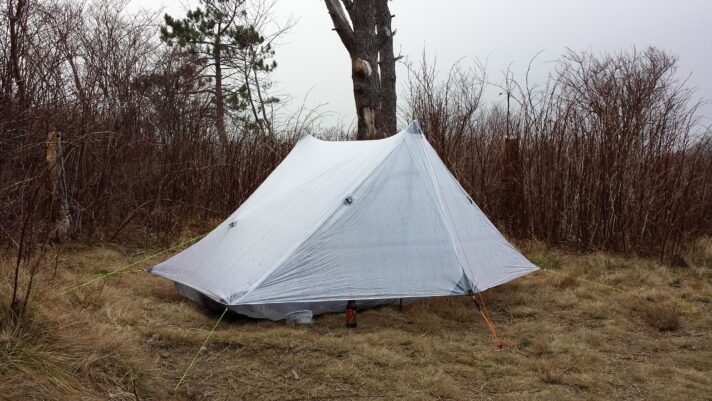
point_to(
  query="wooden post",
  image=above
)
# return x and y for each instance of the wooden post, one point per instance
(60, 212)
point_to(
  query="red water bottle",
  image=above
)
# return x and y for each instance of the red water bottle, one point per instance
(351, 314)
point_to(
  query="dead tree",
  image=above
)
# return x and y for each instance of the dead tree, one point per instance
(367, 36)
(387, 65)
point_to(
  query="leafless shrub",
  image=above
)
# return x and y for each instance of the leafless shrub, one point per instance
(609, 154)
(137, 122)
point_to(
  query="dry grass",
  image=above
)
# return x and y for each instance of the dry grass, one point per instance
(660, 316)
(565, 340)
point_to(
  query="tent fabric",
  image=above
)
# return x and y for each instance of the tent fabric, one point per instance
(352, 220)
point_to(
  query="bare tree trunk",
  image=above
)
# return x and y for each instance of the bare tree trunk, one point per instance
(387, 65)
(257, 101)
(219, 100)
(364, 73)
(265, 121)
(364, 42)
(15, 26)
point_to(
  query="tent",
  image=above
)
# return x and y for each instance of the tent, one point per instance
(368, 221)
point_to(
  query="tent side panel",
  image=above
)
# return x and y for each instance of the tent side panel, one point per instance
(385, 241)
(488, 258)
(284, 210)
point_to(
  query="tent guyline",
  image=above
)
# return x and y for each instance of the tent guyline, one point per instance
(200, 349)
(610, 287)
(482, 308)
(124, 269)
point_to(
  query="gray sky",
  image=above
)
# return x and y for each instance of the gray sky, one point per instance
(312, 60)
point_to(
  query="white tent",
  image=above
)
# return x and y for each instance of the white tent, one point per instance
(336, 221)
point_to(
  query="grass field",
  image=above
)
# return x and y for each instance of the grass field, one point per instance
(131, 336)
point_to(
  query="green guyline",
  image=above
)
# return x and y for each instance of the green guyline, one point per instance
(195, 358)
(124, 268)
(582, 279)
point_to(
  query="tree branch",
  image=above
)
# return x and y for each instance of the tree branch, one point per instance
(341, 24)
(349, 6)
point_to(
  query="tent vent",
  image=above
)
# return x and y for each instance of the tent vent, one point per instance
(349, 200)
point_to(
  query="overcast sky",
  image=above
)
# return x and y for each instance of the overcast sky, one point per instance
(313, 61)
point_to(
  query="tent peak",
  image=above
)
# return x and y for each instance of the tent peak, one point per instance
(414, 128)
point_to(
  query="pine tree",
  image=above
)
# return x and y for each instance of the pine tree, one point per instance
(215, 32)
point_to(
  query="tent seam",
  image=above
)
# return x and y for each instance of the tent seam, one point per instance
(318, 225)
(452, 221)
(439, 202)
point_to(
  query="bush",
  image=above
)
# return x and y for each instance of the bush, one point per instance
(661, 316)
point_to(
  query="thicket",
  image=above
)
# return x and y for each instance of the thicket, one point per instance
(133, 121)
(611, 153)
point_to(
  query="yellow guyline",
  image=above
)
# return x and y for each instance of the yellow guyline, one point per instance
(124, 268)
(582, 279)
(195, 358)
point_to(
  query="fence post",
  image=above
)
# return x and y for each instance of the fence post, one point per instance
(60, 213)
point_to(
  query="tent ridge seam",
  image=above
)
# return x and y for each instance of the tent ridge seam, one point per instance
(319, 224)
(441, 206)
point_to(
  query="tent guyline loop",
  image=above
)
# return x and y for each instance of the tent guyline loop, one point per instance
(482, 308)
(124, 268)
(195, 358)
(490, 324)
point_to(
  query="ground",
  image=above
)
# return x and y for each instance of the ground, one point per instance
(131, 337)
